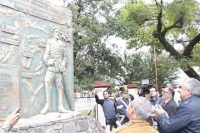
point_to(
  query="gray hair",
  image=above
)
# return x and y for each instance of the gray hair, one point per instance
(193, 85)
(142, 107)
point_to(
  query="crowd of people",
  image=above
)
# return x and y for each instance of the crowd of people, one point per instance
(152, 113)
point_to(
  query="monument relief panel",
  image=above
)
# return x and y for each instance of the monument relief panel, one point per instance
(9, 89)
(25, 28)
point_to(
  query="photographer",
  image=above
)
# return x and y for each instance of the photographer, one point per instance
(144, 91)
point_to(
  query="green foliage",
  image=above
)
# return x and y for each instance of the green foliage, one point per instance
(138, 20)
(196, 55)
(137, 68)
(94, 21)
(166, 67)
(162, 25)
(140, 67)
(92, 25)
(174, 10)
(137, 12)
(191, 32)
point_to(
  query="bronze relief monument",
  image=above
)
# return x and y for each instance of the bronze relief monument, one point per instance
(36, 64)
(36, 68)
(55, 61)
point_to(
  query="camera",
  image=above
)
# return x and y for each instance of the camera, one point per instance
(144, 89)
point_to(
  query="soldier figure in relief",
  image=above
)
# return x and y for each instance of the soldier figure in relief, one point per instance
(55, 61)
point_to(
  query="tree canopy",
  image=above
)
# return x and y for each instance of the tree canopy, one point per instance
(164, 25)
(92, 60)
(158, 24)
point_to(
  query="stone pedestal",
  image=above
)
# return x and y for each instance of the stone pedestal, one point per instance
(58, 123)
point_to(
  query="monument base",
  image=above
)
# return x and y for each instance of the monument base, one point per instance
(58, 123)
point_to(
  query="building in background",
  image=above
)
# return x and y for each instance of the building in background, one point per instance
(133, 89)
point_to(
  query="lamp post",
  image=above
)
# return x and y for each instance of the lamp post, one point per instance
(155, 68)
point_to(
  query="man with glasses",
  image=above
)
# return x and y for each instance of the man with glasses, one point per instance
(109, 109)
(169, 105)
(186, 119)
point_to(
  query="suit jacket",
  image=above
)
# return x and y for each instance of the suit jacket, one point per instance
(186, 119)
(170, 107)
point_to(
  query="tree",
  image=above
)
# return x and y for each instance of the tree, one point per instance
(92, 60)
(141, 65)
(164, 25)
(137, 68)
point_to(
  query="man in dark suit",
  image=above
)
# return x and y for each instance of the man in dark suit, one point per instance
(169, 105)
(186, 119)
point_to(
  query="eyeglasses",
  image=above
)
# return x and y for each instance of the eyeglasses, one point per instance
(105, 93)
(164, 92)
(182, 87)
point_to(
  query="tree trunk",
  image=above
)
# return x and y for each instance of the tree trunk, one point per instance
(192, 73)
(160, 34)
